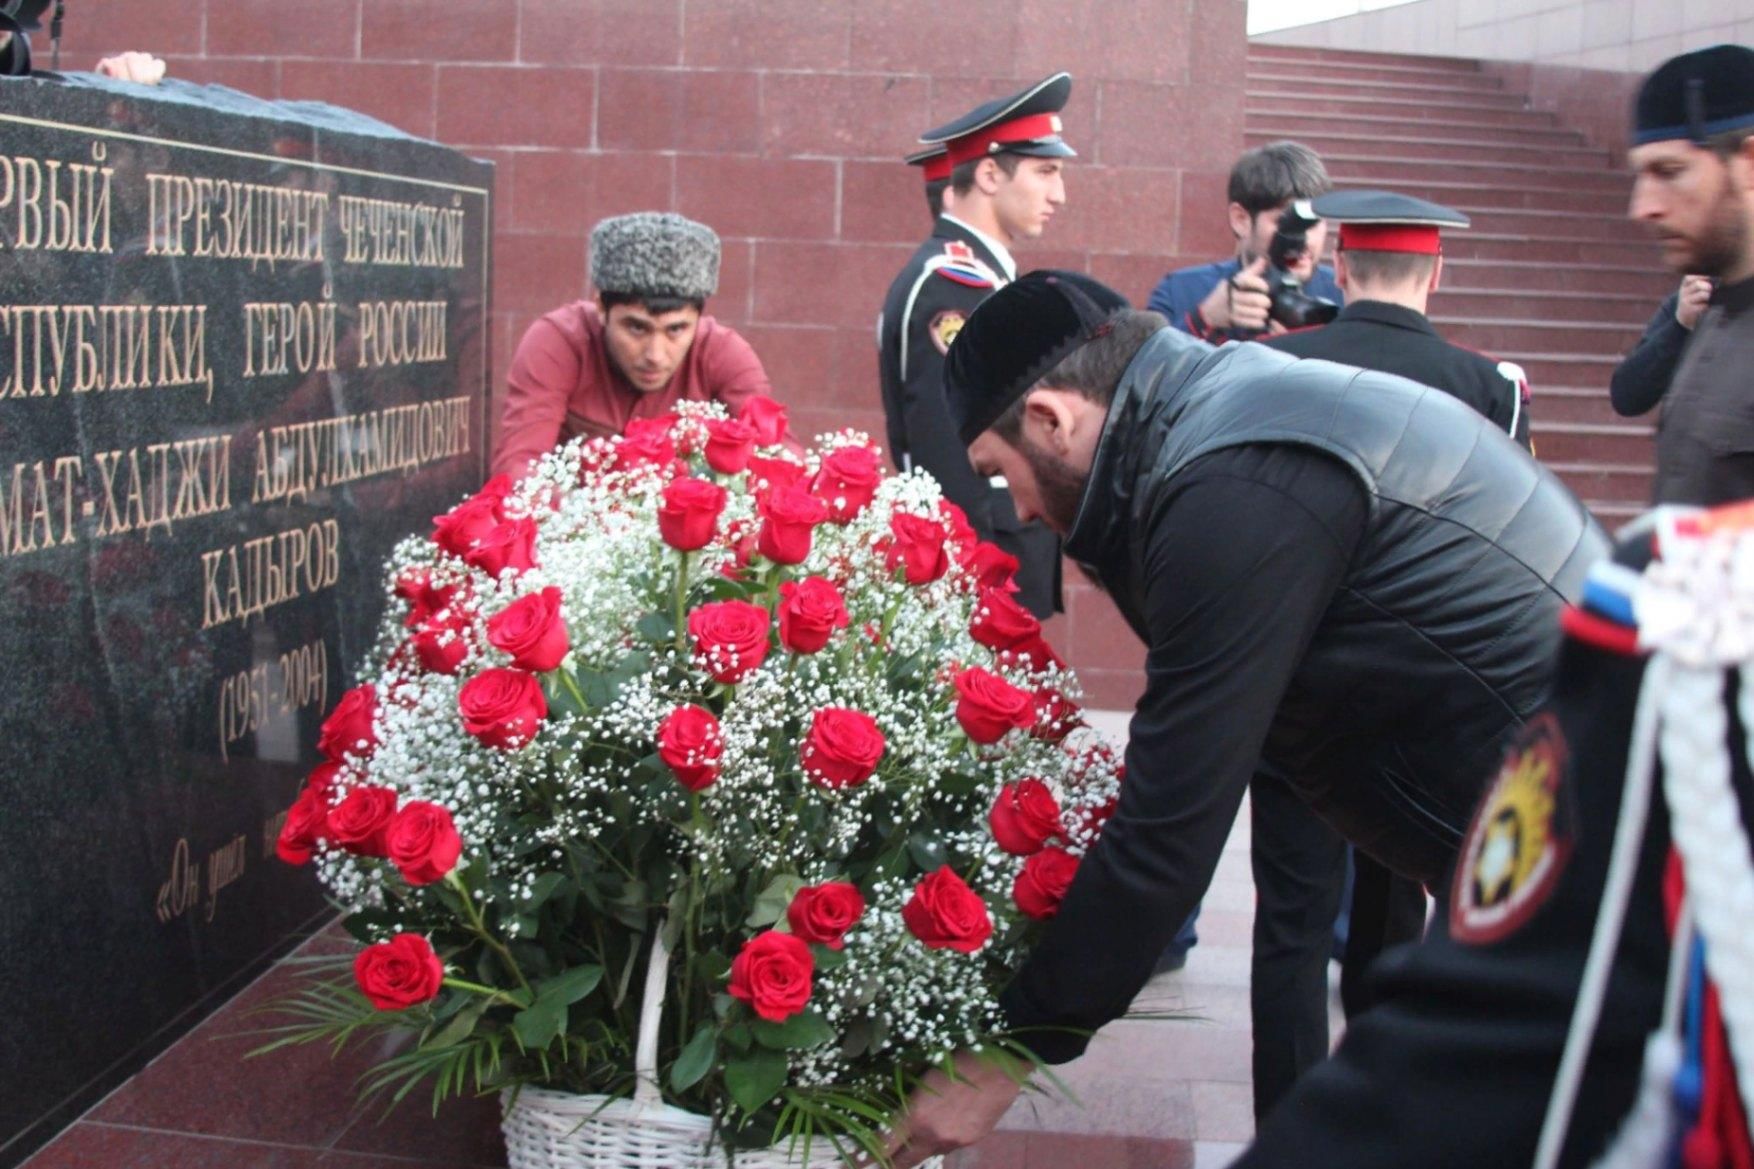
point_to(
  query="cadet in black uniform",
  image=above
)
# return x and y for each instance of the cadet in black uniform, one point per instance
(1531, 1029)
(1390, 261)
(1006, 158)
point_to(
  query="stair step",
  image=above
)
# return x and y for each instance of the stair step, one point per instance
(1499, 336)
(1582, 374)
(1619, 483)
(1580, 406)
(1337, 71)
(1480, 89)
(1585, 202)
(1299, 122)
(1592, 442)
(1534, 221)
(1350, 169)
(1492, 245)
(1545, 304)
(1413, 111)
(1267, 51)
(1445, 148)
(1461, 275)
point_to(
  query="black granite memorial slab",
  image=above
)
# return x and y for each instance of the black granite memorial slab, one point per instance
(243, 351)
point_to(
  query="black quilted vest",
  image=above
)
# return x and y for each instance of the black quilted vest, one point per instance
(1441, 639)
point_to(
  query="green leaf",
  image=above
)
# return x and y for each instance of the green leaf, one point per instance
(696, 1059)
(657, 628)
(754, 1079)
(804, 1030)
(739, 1035)
(771, 903)
(569, 986)
(541, 889)
(827, 958)
(541, 1023)
(927, 851)
(522, 926)
(458, 1028)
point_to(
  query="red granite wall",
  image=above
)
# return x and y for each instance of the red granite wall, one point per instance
(778, 122)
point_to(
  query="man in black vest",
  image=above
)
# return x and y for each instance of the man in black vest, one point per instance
(1344, 579)
(1006, 159)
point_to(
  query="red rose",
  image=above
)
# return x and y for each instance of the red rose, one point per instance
(848, 481)
(842, 749)
(963, 537)
(917, 546)
(1024, 817)
(399, 973)
(646, 440)
(772, 974)
(946, 914)
(991, 566)
(810, 611)
(439, 643)
(457, 530)
(766, 417)
(508, 545)
(305, 821)
(1001, 623)
(1055, 716)
(502, 708)
(824, 913)
(496, 488)
(689, 514)
(423, 842)
(1035, 653)
(772, 474)
(322, 777)
(987, 706)
(729, 443)
(348, 729)
(359, 821)
(730, 639)
(691, 745)
(1041, 886)
(415, 586)
(788, 517)
(530, 629)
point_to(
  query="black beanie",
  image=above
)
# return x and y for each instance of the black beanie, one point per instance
(1018, 334)
(1696, 95)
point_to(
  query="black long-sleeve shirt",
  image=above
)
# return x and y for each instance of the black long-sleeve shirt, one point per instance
(1642, 377)
(1251, 547)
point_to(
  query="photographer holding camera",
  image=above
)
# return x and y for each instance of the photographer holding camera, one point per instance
(1273, 283)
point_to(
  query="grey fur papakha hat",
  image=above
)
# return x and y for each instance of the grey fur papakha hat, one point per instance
(655, 253)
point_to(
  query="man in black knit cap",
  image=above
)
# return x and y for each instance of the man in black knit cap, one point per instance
(1345, 579)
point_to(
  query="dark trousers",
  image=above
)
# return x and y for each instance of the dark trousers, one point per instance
(1299, 868)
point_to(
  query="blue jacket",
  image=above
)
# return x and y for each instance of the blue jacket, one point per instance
(1178, 294)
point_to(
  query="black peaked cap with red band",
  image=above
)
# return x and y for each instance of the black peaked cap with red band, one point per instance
(1017, 335)
(933, 161)
(1386, 221)
(1024, 123)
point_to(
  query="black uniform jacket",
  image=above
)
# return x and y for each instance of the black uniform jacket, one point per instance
(1453, 1066)
(1705, 442)
(945, 279)
(1374, 334)
(1430, 639)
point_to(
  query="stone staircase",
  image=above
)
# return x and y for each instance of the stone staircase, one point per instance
(1552, 275)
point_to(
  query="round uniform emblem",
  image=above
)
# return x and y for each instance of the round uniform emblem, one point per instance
(944, 328)
(1518, 844)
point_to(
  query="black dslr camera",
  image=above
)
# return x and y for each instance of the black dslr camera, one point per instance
(1292, 306)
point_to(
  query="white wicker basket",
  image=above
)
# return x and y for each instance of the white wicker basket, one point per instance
(545, 1129)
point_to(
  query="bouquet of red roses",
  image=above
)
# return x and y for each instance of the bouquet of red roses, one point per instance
(766, 733)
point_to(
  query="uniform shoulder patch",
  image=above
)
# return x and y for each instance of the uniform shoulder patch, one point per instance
(1519, 841)
(969, 276)
(943, 328)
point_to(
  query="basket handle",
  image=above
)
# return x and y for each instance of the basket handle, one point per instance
(645, 1056)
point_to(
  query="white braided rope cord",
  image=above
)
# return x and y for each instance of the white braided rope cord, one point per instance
(1706, 824)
